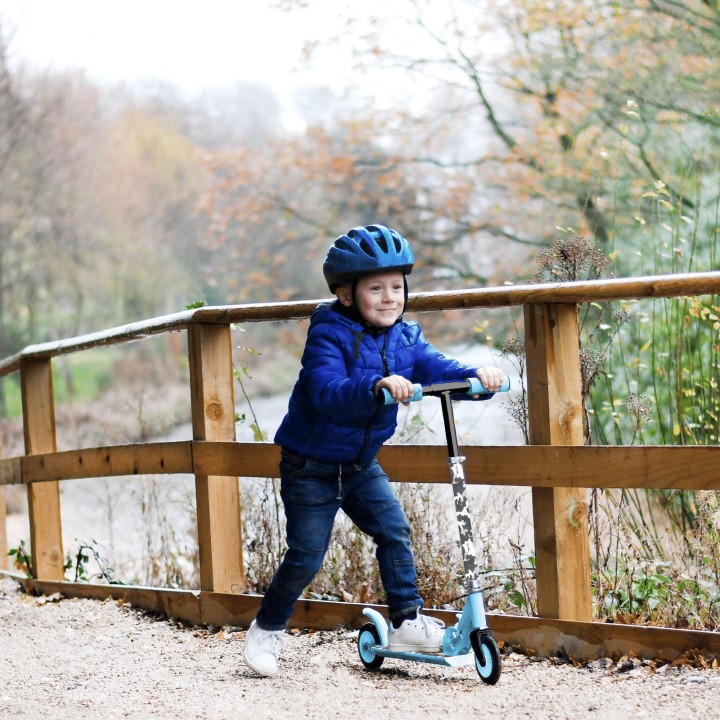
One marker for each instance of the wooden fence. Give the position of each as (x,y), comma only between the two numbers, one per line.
(556,465)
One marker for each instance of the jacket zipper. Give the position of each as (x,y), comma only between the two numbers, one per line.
(386,371)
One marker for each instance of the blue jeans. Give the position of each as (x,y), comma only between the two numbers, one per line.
(312,493)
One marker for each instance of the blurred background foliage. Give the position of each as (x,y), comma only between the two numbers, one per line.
(518,127)
(519,123)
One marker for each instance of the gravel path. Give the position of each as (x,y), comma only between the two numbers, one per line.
(83,659)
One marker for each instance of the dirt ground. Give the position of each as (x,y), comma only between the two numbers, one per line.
(83,659)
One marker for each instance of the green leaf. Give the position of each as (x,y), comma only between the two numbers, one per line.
(258,434)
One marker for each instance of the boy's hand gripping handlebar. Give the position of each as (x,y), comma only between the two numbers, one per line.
(470,386)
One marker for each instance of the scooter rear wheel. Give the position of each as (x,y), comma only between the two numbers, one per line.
(367,639)
(487,659)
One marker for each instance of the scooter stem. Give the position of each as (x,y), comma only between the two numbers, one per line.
(457,476)
(464,521)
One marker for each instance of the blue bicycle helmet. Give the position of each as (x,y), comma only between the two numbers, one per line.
(366,250)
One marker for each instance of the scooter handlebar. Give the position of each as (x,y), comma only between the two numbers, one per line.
(470,386)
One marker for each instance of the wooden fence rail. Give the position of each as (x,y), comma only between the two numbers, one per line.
(556,465)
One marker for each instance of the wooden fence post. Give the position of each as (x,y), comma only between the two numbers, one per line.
(218,498)
(3,524)
(43,497)
(560,515)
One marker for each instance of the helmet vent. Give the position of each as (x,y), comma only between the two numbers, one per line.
(367,248)
(365,251)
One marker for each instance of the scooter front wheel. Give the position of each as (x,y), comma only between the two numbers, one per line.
(487,659)
(367,639)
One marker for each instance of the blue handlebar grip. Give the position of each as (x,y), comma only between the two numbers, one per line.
(388,399)
(477,388)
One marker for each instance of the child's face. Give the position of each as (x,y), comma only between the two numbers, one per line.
(380,298)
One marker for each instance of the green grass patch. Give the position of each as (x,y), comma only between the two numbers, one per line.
(76,378)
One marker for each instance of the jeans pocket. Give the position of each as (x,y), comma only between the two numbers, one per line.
(308,483)
(291,463)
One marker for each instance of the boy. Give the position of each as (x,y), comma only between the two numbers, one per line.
(334,427)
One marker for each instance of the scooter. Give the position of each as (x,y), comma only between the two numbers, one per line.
(470,639)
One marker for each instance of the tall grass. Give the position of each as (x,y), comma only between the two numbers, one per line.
(657,372)
(651,372)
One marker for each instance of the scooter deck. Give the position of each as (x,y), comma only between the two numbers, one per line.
(434,658)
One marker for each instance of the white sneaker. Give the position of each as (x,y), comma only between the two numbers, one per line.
(419,633)
(261,649)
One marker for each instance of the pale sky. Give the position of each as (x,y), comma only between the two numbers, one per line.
(190,43)
(200,44)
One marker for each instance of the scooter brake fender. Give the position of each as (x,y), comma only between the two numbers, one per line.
(379,621)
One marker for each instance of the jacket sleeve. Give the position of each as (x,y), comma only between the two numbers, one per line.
(432,366)
(332,391)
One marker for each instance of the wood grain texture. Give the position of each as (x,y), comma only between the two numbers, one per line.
(560,514)
(43,498)
(543,466)
(217,496)
(4,560)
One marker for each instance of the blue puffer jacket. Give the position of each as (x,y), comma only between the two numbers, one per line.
(333,414)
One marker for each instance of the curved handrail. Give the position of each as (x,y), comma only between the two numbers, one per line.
(650,286)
